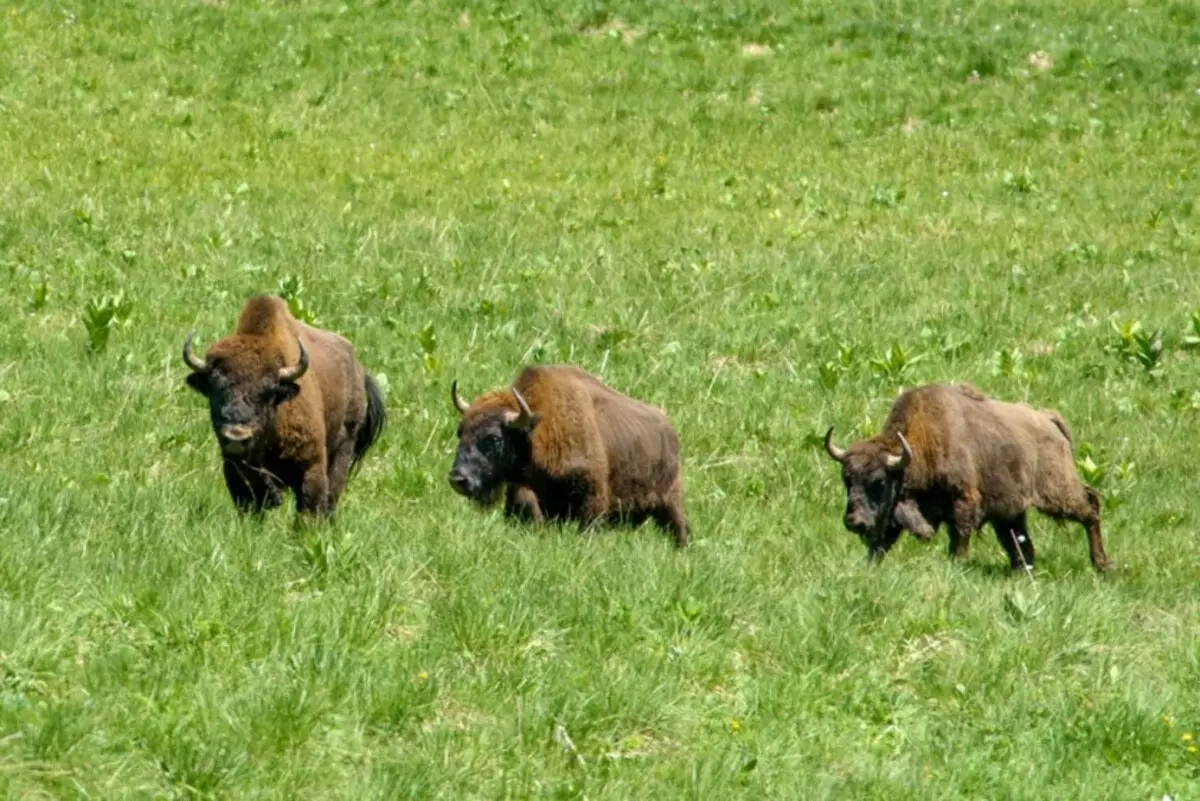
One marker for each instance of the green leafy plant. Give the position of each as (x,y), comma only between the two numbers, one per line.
(39,296)
(887,196)
(1020,183)
(895,363)
(1112,480)
(1139,346)
(427,340)
(291,289)
(1192,338)
(1007,362)
(829,373)
(102,315)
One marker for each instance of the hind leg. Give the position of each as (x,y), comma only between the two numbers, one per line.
(672,519)
(1085,510)
(1014,537)
(1091,521)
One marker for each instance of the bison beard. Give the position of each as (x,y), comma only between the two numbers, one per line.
(973,460)
(560,444)
(291,408)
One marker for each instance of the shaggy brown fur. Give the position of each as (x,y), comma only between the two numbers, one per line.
(278,431)
(973,460)
(584,452)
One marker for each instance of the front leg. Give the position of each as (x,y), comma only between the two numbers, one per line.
(312,493)
(253,491)
(879,548)
(522,503)
(907,515)
(339,470)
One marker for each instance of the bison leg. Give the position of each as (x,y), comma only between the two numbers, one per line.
(1100,560)
(672,519)
(522,503)
(339,469)
(251,490)
(963,523)
(907,515)
(1085,510)
(312,495)
(879,548)
(1014,537)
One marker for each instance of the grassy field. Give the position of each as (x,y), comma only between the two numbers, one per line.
(765,218)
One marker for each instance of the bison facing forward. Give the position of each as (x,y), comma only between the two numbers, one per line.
(949,453)
(569,447)
(291,408)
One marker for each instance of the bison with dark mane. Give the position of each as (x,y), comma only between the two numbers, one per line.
(949,453)
(291,408)
(569,447)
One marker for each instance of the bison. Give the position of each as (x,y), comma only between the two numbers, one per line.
(568,447)
(291,408)
(949,453)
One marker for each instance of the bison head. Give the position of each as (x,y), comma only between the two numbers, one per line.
(873,477)
(493,443)
(243,391)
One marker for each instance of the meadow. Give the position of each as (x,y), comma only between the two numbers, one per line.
(764,217)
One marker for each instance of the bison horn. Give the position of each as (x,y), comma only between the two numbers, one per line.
(193,361)
(834,451)
(294,373)
(526,418)
(459,403)
(898,463)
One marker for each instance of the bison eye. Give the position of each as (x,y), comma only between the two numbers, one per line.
(489,445)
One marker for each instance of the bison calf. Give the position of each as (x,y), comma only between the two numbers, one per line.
(949,453)
(569,447)
(291,408)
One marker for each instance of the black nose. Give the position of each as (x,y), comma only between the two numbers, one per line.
(460,482)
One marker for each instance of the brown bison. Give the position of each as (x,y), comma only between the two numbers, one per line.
(568,447)
(291,408)
(949,453)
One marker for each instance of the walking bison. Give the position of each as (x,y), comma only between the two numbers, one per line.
(291,408)
(949,453)
(569,447)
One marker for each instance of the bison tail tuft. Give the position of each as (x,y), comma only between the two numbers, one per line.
(373,424)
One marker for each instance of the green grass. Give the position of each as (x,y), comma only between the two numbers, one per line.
(763,244)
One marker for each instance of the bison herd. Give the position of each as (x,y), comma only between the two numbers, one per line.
(292,408)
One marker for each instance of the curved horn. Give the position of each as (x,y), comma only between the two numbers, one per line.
(898,463)
(526,416)
(193,361)
(834,451)
(459,403)
(294,373)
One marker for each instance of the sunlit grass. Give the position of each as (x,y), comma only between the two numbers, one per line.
(766,219)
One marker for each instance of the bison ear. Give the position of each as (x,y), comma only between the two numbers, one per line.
(198,382)
(286,391)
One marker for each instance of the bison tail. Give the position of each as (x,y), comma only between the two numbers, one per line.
(373,424)
(1056,418)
